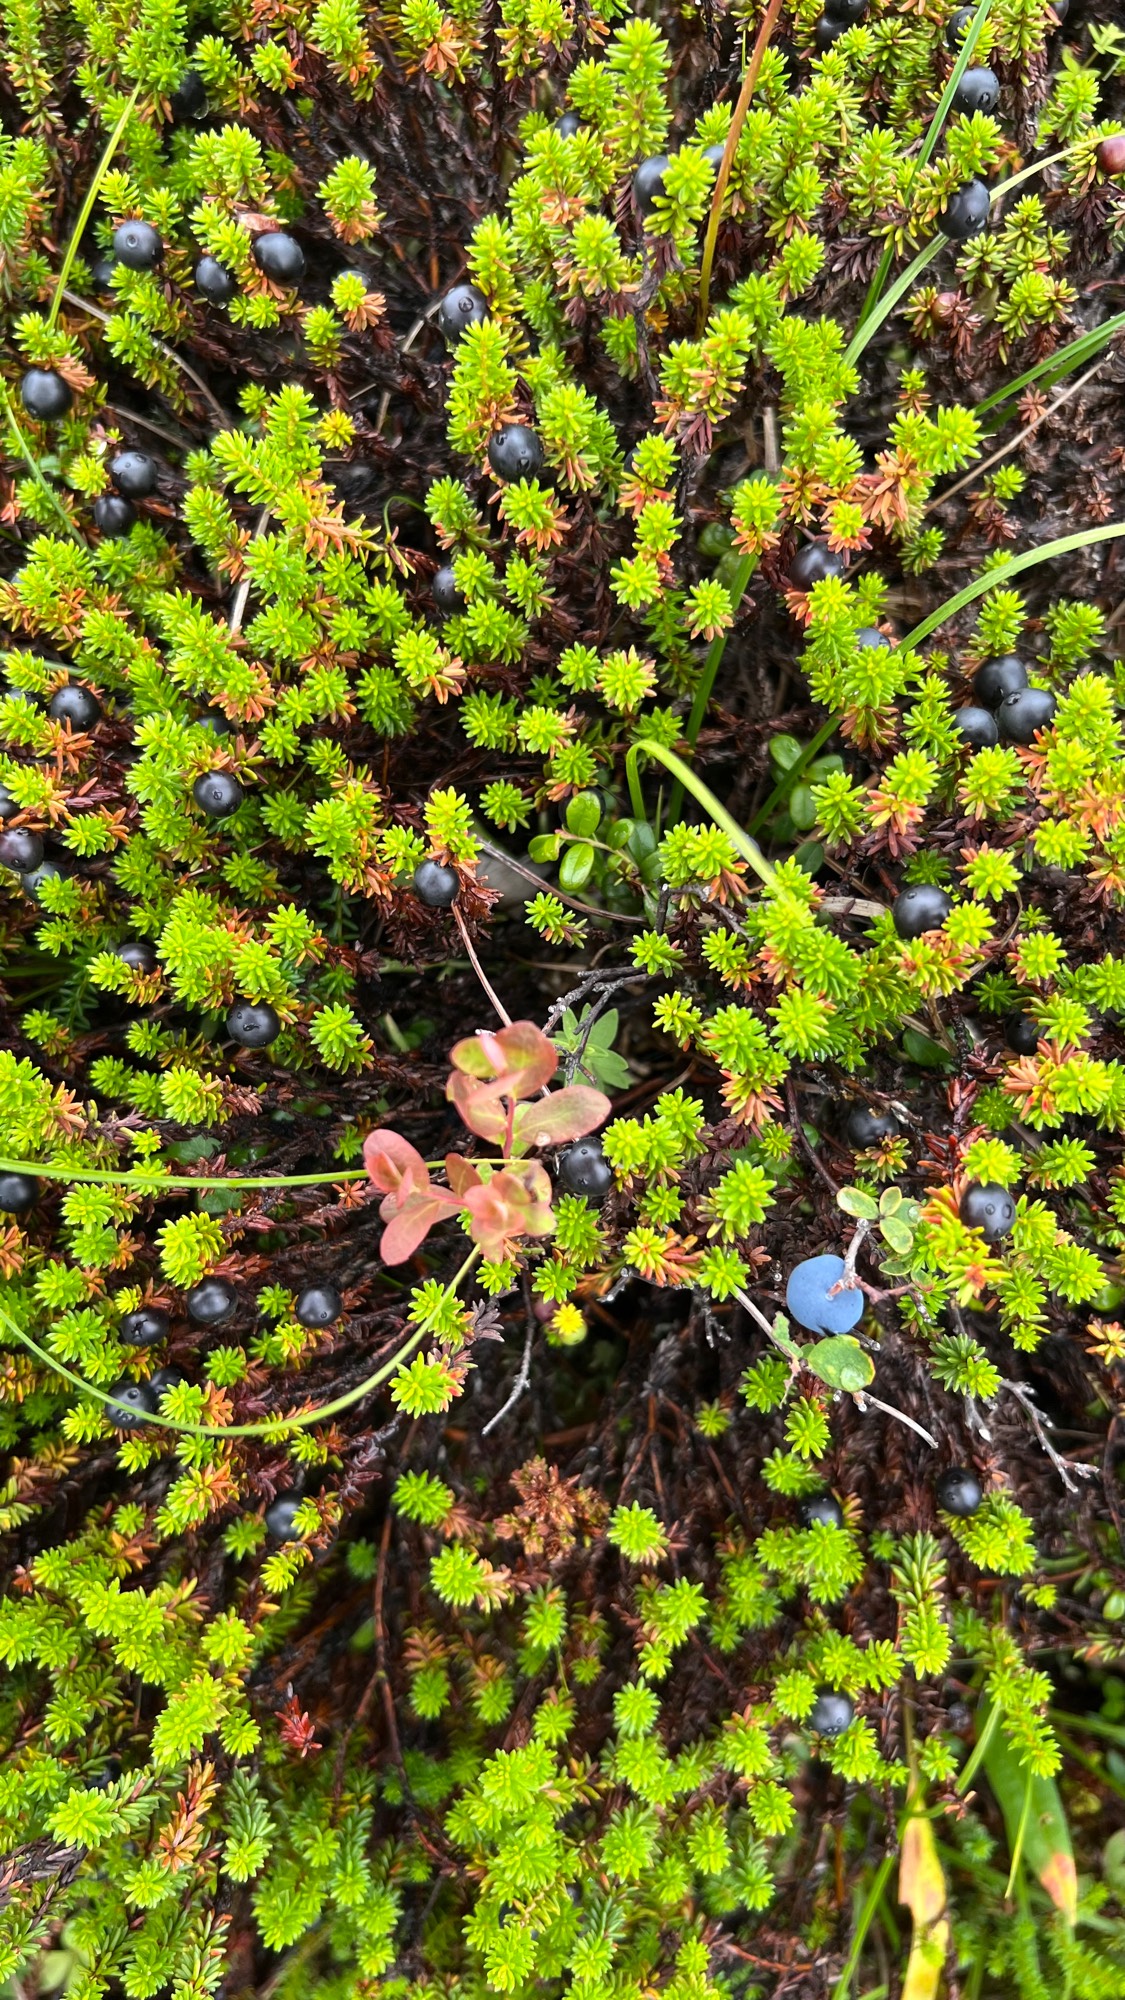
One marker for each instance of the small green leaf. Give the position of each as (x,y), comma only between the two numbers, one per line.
(583,814)
(921,1050)
(840,1362)
(784,750)
(853,1201)
(544,847)
(576,867)
(802,808)
(810,856)
(890,1201)
(895,1232)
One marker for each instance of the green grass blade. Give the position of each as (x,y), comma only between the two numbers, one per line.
(1062,362)
(1003,573)
(34,467)
(87,209)
(154,1183)
(749,849)
(711,665)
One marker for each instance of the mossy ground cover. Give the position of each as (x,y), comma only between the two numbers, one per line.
(560,758)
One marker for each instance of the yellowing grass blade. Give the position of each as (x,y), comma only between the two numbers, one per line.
(921,1886)
(1035,1822)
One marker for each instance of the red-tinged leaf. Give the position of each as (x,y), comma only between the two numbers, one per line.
(516,1061)
(412,1220)
(460,1173)
(555,1120)
(514,1203)
(479,1107)
(396,1167)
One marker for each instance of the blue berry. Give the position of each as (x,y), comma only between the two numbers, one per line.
(808,1300)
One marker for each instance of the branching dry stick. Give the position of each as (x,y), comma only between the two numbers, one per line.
(1064,1467)
(169,353)
(238,608)
(524,1376)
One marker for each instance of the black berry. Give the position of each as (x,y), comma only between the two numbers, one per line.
(812,564)
(165,1379)
(133,473)
(978,90)
(189,99)
(280,1518)
(137,955)
(920,908)
(445,593)
(280,257)
(996,679)
(966,212)
(584,1169)
(18,1193)
(1023,715)
(977,726)
(45,395)
(831,1713)
(20,849)
(33,879)
(131,1403)
(956,26)
(214,281)
(217,794)
(828,30)
(214,720)
(433,884)
(989,1208)
(515,452)
(75,705)
(320,1305)
(959,1492)
(114,516)
(211,1301)
(8,805)
(568,124)
(463,306)
(144,1327)
(864,1127)
(1021,1032)
(137,245)
(850,11)
(253,1027)
(821,1510)
(107,1776)
(648,182)
(101,273)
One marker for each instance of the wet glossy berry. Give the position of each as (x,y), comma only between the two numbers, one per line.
(133,473)
(1021,1032)
(280,257)
(978,90)
(959,1492)
(8,805)
(253,1026)
(214,720)
(281,1516)
(1023,715)
(189,99)
(831,1713)
(165,1379)
(18,1193)
(515,452)
(144,1327)
(956,26)
(33,878)
(812,1302)
(210,1301)
(45,395)
(828,29)
(820,1510)
(1111,153)
(865,1127)
(812,563)
(919,909)
(850,11)
(996,679)
(584,1169)
(966,212)
(214,281)
(648,182)
(870,636)
(434,885)
(463,306)
(138,955)
(137,245)
(217,793)
(20,849)
(977,726)
(131,1403)
(568,124)
(76,705)
(113,516)
(319,1305)
(989,1208)
(445,593)
(101,273)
